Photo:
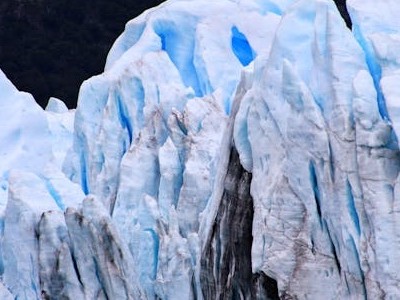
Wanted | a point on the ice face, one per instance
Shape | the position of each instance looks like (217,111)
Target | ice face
(230,149)
(31,139)
(313,172)
(33,146)
(377,31)
(152,126)
(153,68)
(24,132)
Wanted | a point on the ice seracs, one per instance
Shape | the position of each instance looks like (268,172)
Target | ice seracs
(301,136)
(33,145)
(23,130)
(230,149)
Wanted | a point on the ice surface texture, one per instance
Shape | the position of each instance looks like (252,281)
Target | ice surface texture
(230,150)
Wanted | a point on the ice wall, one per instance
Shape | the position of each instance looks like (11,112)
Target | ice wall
(230,149)
(324,161)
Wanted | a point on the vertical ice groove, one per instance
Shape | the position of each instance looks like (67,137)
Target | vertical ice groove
(374,69)
(317,194)
(334,246)
(358,272)
(352,208)
(55,194)
(84,173)
(124,119)
(156,246)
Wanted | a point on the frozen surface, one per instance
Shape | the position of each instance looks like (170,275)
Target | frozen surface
(230,149)
(25,141)
(321,154)
(33,146)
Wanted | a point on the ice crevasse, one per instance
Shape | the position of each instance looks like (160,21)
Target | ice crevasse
(230,150)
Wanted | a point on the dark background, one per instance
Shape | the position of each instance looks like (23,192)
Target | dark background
(48,47)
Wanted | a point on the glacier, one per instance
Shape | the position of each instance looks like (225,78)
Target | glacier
(229,150)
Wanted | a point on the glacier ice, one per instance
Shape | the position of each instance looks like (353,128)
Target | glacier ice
(229,150)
